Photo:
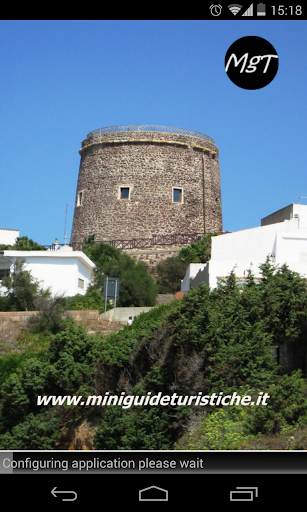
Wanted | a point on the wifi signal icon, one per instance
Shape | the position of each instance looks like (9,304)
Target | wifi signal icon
(234,8)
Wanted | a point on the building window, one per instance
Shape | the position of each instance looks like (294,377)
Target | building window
(80,198)
(81,283)
(124,193)
(177,195)
(4,272)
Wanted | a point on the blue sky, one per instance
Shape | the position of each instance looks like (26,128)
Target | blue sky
(59,80)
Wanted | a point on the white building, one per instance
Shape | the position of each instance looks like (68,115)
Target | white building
(64,271)
(192,271)
(282,236)
(8,236)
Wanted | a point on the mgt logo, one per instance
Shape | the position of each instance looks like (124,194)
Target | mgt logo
(251,62)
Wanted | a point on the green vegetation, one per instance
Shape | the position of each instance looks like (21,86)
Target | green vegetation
(50,317)
(207,342)
(173,269)
(22,290)
(137,287)
(23,243)
(93,299)
(223,429)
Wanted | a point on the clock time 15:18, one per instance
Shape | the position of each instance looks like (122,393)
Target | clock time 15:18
(287,10)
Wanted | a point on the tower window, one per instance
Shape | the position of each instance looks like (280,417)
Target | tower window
(177,195)
(124,192)
(80,198)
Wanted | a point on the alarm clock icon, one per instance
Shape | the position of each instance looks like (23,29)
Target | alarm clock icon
(215,9)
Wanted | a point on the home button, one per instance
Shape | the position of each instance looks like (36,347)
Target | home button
(153,493)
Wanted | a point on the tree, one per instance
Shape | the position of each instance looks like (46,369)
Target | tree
(173,269)
(70,356)
(132,428)
(137,287)
(286,406)
(22,288)
(38,432)
(91,300)
(284,298)
(20,390)
(50,319)
(23,243)
(198,252)
(170,272)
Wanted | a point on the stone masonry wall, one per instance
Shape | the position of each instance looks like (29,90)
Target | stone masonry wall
(151,164)
(23,316)
(154,256)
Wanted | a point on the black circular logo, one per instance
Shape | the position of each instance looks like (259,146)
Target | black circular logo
(251,62)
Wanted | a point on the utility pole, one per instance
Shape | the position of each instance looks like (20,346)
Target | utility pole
(65,230)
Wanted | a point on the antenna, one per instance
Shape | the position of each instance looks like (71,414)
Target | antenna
(65,231)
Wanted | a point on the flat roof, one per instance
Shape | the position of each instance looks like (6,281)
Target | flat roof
(50,254)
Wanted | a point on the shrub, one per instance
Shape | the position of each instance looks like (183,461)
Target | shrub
(137,287)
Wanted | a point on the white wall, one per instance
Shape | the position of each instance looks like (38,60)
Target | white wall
(56,271)
(288,213)
(60,275)
(284,242)
(8,236)
(191,272)
(122,315)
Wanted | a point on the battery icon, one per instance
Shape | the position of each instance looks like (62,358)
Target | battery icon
(261,10)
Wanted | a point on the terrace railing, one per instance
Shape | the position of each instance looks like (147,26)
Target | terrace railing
(175,239)
(149,128)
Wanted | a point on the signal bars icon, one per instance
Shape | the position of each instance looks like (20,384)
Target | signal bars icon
(235,8)
(249,11)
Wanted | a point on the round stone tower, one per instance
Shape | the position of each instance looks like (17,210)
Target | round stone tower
(147,186)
